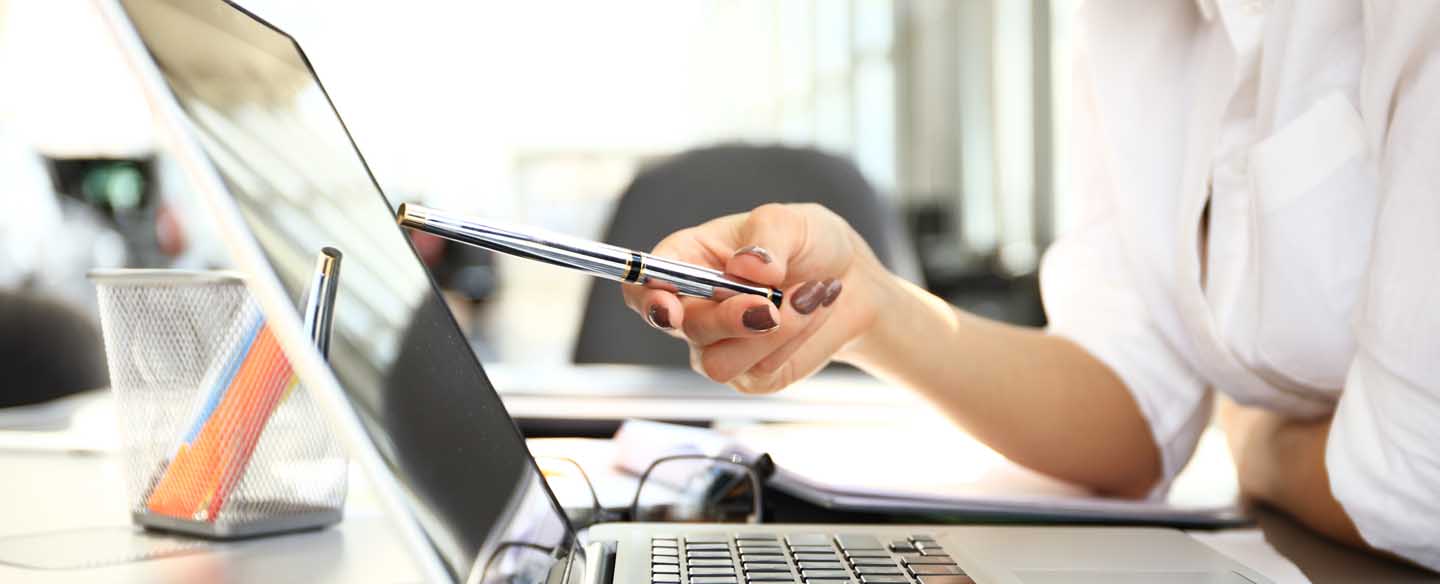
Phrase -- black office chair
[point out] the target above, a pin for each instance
(47, 350)
(700, 185)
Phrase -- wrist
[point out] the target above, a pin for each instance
(885, 301)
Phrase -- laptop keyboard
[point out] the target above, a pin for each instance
(811, 558)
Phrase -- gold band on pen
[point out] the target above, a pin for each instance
(634, 267)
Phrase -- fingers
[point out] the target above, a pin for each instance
(797, 360)
(737, 362)
(740, 316)
(745, 340)
(770, 238)
(658, 305)
(663, 310)
(730, 356)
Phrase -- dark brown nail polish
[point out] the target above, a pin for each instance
(808, 297)
(758, 319)
(756, 251)
(659, 317)
(833, 287)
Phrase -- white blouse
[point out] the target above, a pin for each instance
(1260, 187)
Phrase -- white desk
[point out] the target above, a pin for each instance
(44, 489)
(53, 492)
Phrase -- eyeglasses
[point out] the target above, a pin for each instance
(687, 487)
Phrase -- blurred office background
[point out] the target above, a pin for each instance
(543, 112)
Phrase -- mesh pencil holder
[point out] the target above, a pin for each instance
(218, 439)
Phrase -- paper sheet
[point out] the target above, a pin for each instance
(931, 466)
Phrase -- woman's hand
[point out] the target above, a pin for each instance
(830, 277)
(992, 378)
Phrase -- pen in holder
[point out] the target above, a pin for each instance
(218, 437)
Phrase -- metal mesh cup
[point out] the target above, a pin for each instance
(217, 437)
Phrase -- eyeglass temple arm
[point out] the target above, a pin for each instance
(766, 464)
(596, 511)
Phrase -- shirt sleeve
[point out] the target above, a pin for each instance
(1113, 302)
(1383, 454)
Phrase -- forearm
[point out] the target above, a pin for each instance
(1040, 400)
(1282, 463)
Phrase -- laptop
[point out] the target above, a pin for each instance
(243, 110)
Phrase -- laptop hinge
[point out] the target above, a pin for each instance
(599, 562)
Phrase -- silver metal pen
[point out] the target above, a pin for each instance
(320, 300)
(598, 259)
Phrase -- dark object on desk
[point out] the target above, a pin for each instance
(1326, 562)
(700, 185)
(47, 350)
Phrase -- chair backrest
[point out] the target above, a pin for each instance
(697, 186)
(47, 350)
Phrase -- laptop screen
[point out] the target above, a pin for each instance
(264, 121)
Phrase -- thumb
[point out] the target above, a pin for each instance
(771, 237)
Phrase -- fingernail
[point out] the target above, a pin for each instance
(759, 319)
(659, 317)
(808, 297)
(754, 250)
(833, 287)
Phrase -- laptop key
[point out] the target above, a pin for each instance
(885, 578)
(822, 566)
(878, 570)
(872, 561)
(814, 557)
(658, 542)
(761, 567)
(710, 562)
(711, 571)
(761, 549)
(664, 560)
(808, 539)
(665, 578)
(923, 569)
(713, 580)
(903, 547)
(829, 581)
(808, 574)
(707, 554)
(663, 551)
(919, 560)
(929, 547)
(946, 580)
(770, 577)
(707, 538)
(867, 553)
(707, 546)
(664, 568)
(859, 542)
(766, 558)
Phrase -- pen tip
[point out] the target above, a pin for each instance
(400, 214)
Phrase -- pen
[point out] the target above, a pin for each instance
(320, 302)
(595, 258)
